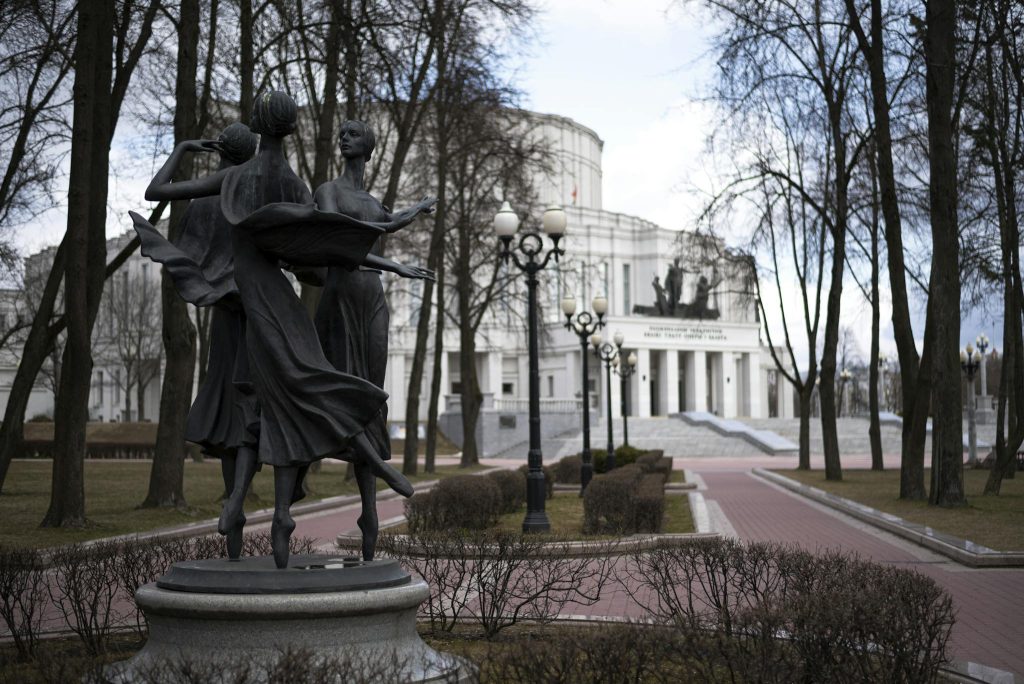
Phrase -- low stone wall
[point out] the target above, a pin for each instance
(503, 424)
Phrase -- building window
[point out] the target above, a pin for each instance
(456, 387)
(627, 305)
(117, 387)
(508, 388)
(551, 386)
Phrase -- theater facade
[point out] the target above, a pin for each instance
(682, 306)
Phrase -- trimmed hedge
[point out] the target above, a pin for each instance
(512, 488)
(467, 502)
(567, 470)
(624, 501)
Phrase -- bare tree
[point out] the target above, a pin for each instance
(36, 42)
(132, 26)
(129, 336)
(915, 376)
(86, 259)
(799, 60)
(944, 287)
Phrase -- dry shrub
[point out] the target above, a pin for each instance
(460, 502)
(656, 462)
(601, 654)
(497, 579)
(567, 470)
(780, 614)
(84, 587)
(23, 597)
(285, 666)
(650, 503)
(624, 501)
(512, 487)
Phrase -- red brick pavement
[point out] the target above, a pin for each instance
(989, 602)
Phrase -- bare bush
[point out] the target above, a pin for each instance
(498, 579)
(84, 587)
(783, 614)
(22, 597)
(600, 654)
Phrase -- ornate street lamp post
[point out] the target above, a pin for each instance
(531, 246)
(607, 353)
(970, 361)
(584, 326)
(982, 342)
(624, 371)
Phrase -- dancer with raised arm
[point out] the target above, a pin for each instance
(308, 409)
(224, 418)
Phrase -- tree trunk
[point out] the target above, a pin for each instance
(140, 388)
(86, 259)
(827, 386)
(947, 430)
(246, 60)
(435, 261)
(875, 426)
(38, 346)
(806, 394)
(435, 379)
(912, 454)
(166, 480)
(471, 398)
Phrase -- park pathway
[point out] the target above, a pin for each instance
(989, 602)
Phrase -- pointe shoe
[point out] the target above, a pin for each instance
(229, 515)
(370, 531)
(235, 538)
(280, 533)
(394, 479)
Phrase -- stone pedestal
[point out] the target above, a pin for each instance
(240, 617)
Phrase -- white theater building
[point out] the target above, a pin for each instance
(718, 365)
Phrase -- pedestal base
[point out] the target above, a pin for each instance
(371, 632)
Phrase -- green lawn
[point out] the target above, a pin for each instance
(993, 521)
(565, 512)
(678, 476)
(113, 490)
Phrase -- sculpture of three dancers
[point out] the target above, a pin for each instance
(283, 389)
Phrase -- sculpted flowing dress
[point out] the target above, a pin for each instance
(352, 322)
(224, 415)
(308, 408)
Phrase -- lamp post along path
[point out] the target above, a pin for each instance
(970, 361)
(531, 247)
(625, 371)
(607, 353)
(584, 326)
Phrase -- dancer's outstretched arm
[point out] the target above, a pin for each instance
(382, 264)
(400, 219)
(163, 187)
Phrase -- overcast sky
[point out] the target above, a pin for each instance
(631, 70)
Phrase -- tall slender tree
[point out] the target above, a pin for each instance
(86, 258)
